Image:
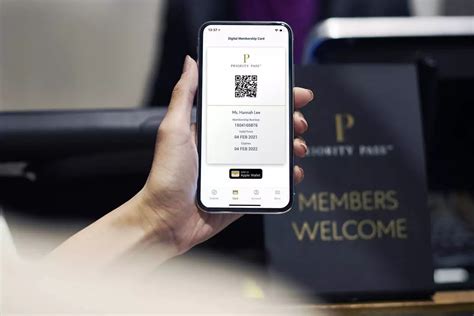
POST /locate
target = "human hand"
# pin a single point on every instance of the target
(168, 197)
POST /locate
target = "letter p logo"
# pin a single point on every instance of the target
(246, 57)
(344, 121)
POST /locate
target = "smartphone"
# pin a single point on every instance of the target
(245, 117)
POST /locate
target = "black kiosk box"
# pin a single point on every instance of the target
(359, 228)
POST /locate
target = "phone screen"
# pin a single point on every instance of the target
(245, 113)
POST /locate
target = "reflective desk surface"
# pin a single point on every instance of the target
(442, 303)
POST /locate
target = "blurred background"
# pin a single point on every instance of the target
(124, 54)
(128, 54)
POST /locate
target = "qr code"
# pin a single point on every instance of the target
(246, 86)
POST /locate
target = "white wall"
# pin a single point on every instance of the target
(76, 53)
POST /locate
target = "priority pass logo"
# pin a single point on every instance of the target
(343, 122)
(246, 57)
(344, 125)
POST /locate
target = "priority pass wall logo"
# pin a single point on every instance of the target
(343, 125)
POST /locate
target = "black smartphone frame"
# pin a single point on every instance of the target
(290, 120)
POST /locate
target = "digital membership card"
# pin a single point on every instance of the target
(246, 106)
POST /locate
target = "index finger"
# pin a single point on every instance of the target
(302, 97)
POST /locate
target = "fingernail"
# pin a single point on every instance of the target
(303, 144)
(305, 147)
(311, 93)
(302, 171)
(303, 121)
(187, 63)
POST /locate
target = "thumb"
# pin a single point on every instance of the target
(180, 107)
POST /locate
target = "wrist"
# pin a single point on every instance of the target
(140, 215)
(128, 237)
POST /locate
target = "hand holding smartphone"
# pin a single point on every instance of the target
(245, 117)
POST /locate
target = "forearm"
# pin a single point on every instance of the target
(127, 236)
